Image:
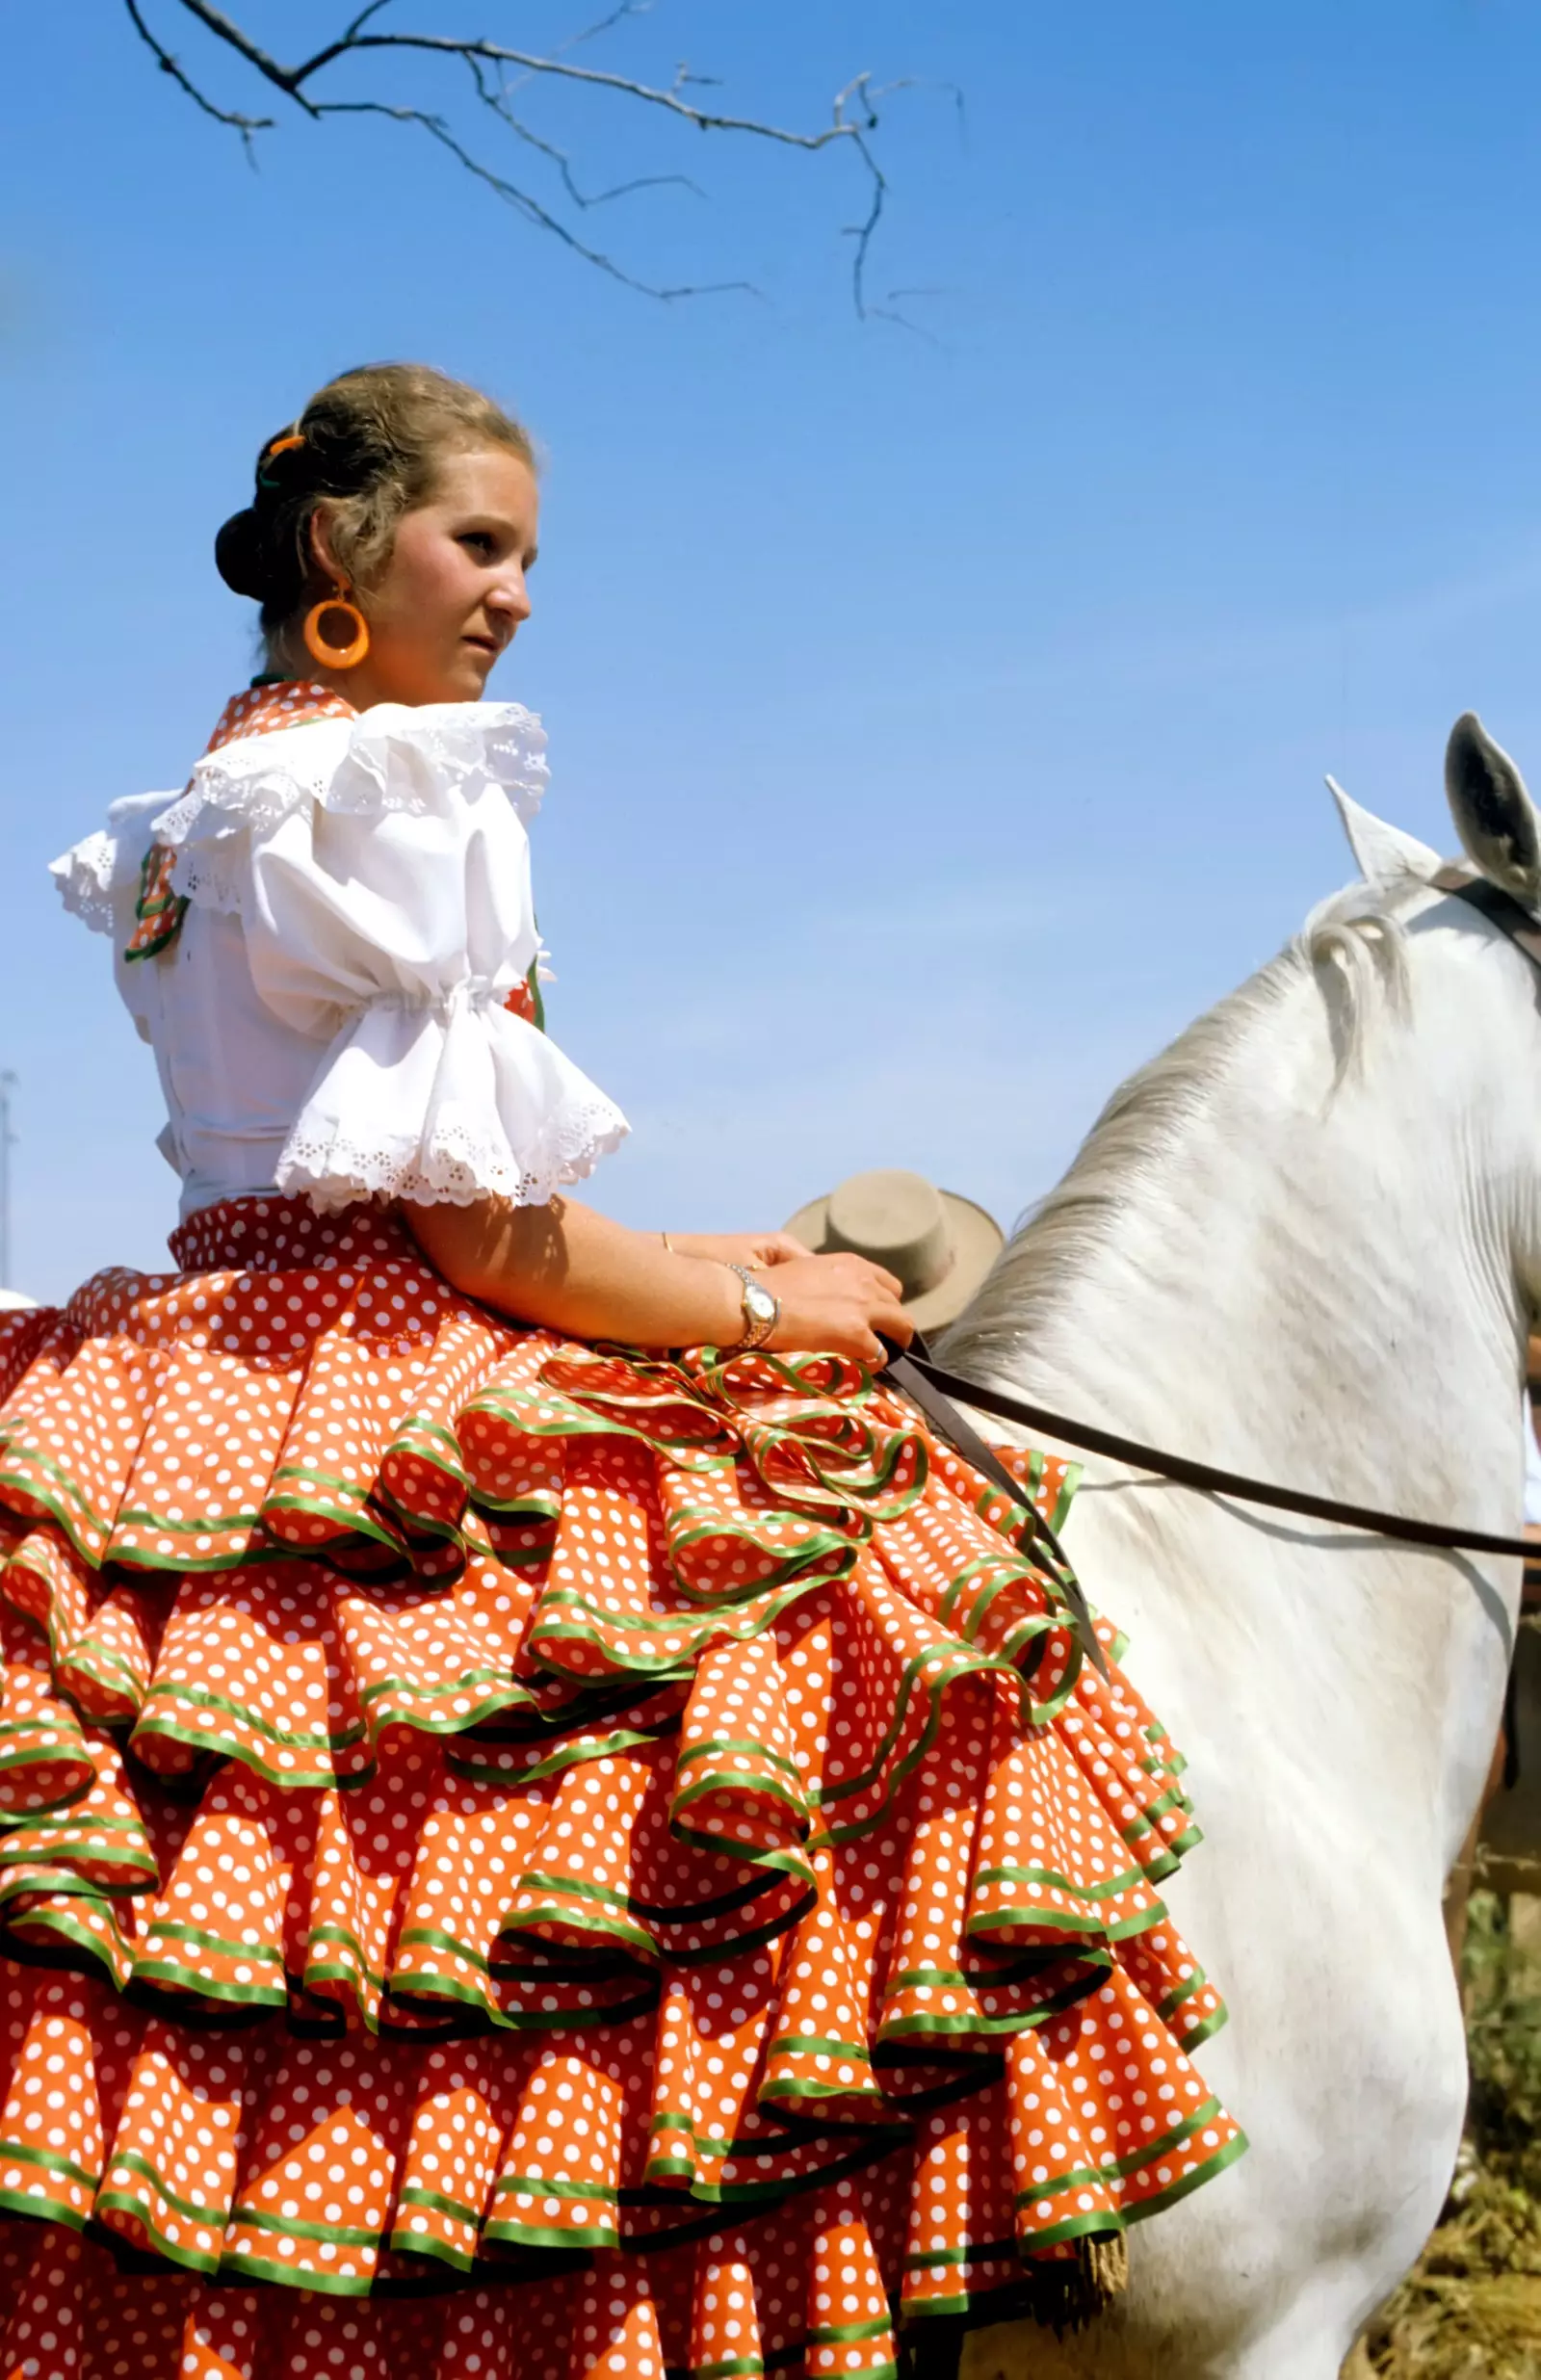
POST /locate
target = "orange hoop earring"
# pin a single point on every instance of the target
(330, 656)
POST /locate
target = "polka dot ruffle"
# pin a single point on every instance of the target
(499, 1802)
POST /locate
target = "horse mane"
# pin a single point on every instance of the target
(1352, 948)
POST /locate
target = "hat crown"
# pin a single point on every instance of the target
(897, 1221)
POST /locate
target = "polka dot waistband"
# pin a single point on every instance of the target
(269, 1234)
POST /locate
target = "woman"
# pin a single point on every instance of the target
(487, 1797)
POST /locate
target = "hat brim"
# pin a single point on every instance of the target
(976, 1239)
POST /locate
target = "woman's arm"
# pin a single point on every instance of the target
(567, 1268)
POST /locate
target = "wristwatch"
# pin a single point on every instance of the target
(760, 1312)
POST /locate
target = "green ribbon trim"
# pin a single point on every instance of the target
(115, 1962)
(957, 1661)
(104, 1667)
(1011, 1565)
(789, 2087)
(741, 1744)
(358, 1524)
(194, 2259)
(819, 1548)
(1172, 2191)
(414, 2194)
(184, 2207)
(988, 2027)
(19, 1484)
(173, 1930)
(207, 1987)
(614, 1929)
(965, 1662)
(246, 2262)
(404, 2242)
(706, 2144)
(198, 1739)
(540, 2236)
(493, 1771)
(510, 2185)
(48, 2209)
(571, 2018)
(468, 1680)
(44, 1755)
(1196, 2033)
(435, 1938)
(299, 2227)
(995, 2252)
(284, 1739)
(232, 1524)
(435, 1986)
(1062, 1920)
(726, 1781)
(346, 1940)
(48, 2160)
(61, 1836)
(818, 2044)
(1168, 2144)
(547, 1883)
(418, 1425)
(1051, 1880)
(1174, 1998)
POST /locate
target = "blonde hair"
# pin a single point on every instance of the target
(368, 446)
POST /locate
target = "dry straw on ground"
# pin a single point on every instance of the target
(1471, 2310)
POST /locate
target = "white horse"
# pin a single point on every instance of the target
(1305, 1243)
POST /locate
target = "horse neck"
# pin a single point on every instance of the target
(1315, 1286)
(1293, 1269)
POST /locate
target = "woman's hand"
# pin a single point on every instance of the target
(837, 1305)
(563, 1267)
(757, 1249)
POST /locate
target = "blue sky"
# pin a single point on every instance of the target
(938, 714)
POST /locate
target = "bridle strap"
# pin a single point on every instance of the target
(933, 1388)
(1501, 909)
(917, 1378)
(1210, 1478)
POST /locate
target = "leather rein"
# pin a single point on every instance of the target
(933, 1387)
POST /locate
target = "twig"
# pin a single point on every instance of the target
(245, 125)
(524, 203)
(854, 116)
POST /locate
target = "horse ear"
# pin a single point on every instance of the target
(1494, 815)
(1387, 857)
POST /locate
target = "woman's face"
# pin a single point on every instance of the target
(453, 593)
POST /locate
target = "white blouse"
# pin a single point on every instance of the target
(330, 1019)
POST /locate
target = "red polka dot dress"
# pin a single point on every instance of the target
(518, 1861)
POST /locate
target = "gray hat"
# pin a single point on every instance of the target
(938, 1244)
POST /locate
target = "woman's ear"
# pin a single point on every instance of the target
(1494, 815)
(318, 532)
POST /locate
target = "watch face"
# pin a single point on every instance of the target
(758, 1300)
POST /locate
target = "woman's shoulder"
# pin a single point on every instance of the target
(393, 757)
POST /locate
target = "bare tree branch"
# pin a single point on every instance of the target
(495, 96)
(245, 126)
(523, 203)
(497, 74)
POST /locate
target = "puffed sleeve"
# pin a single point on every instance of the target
(387, 915)
(99, 880)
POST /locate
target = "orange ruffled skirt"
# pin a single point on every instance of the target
(479, 1809)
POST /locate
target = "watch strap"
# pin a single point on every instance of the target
(757, 1327)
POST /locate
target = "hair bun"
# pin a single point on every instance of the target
(240, 556)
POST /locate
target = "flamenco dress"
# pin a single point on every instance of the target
(479, 1809)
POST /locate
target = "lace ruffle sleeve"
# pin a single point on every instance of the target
(99, 877)
(380, 869)
(98, 880)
